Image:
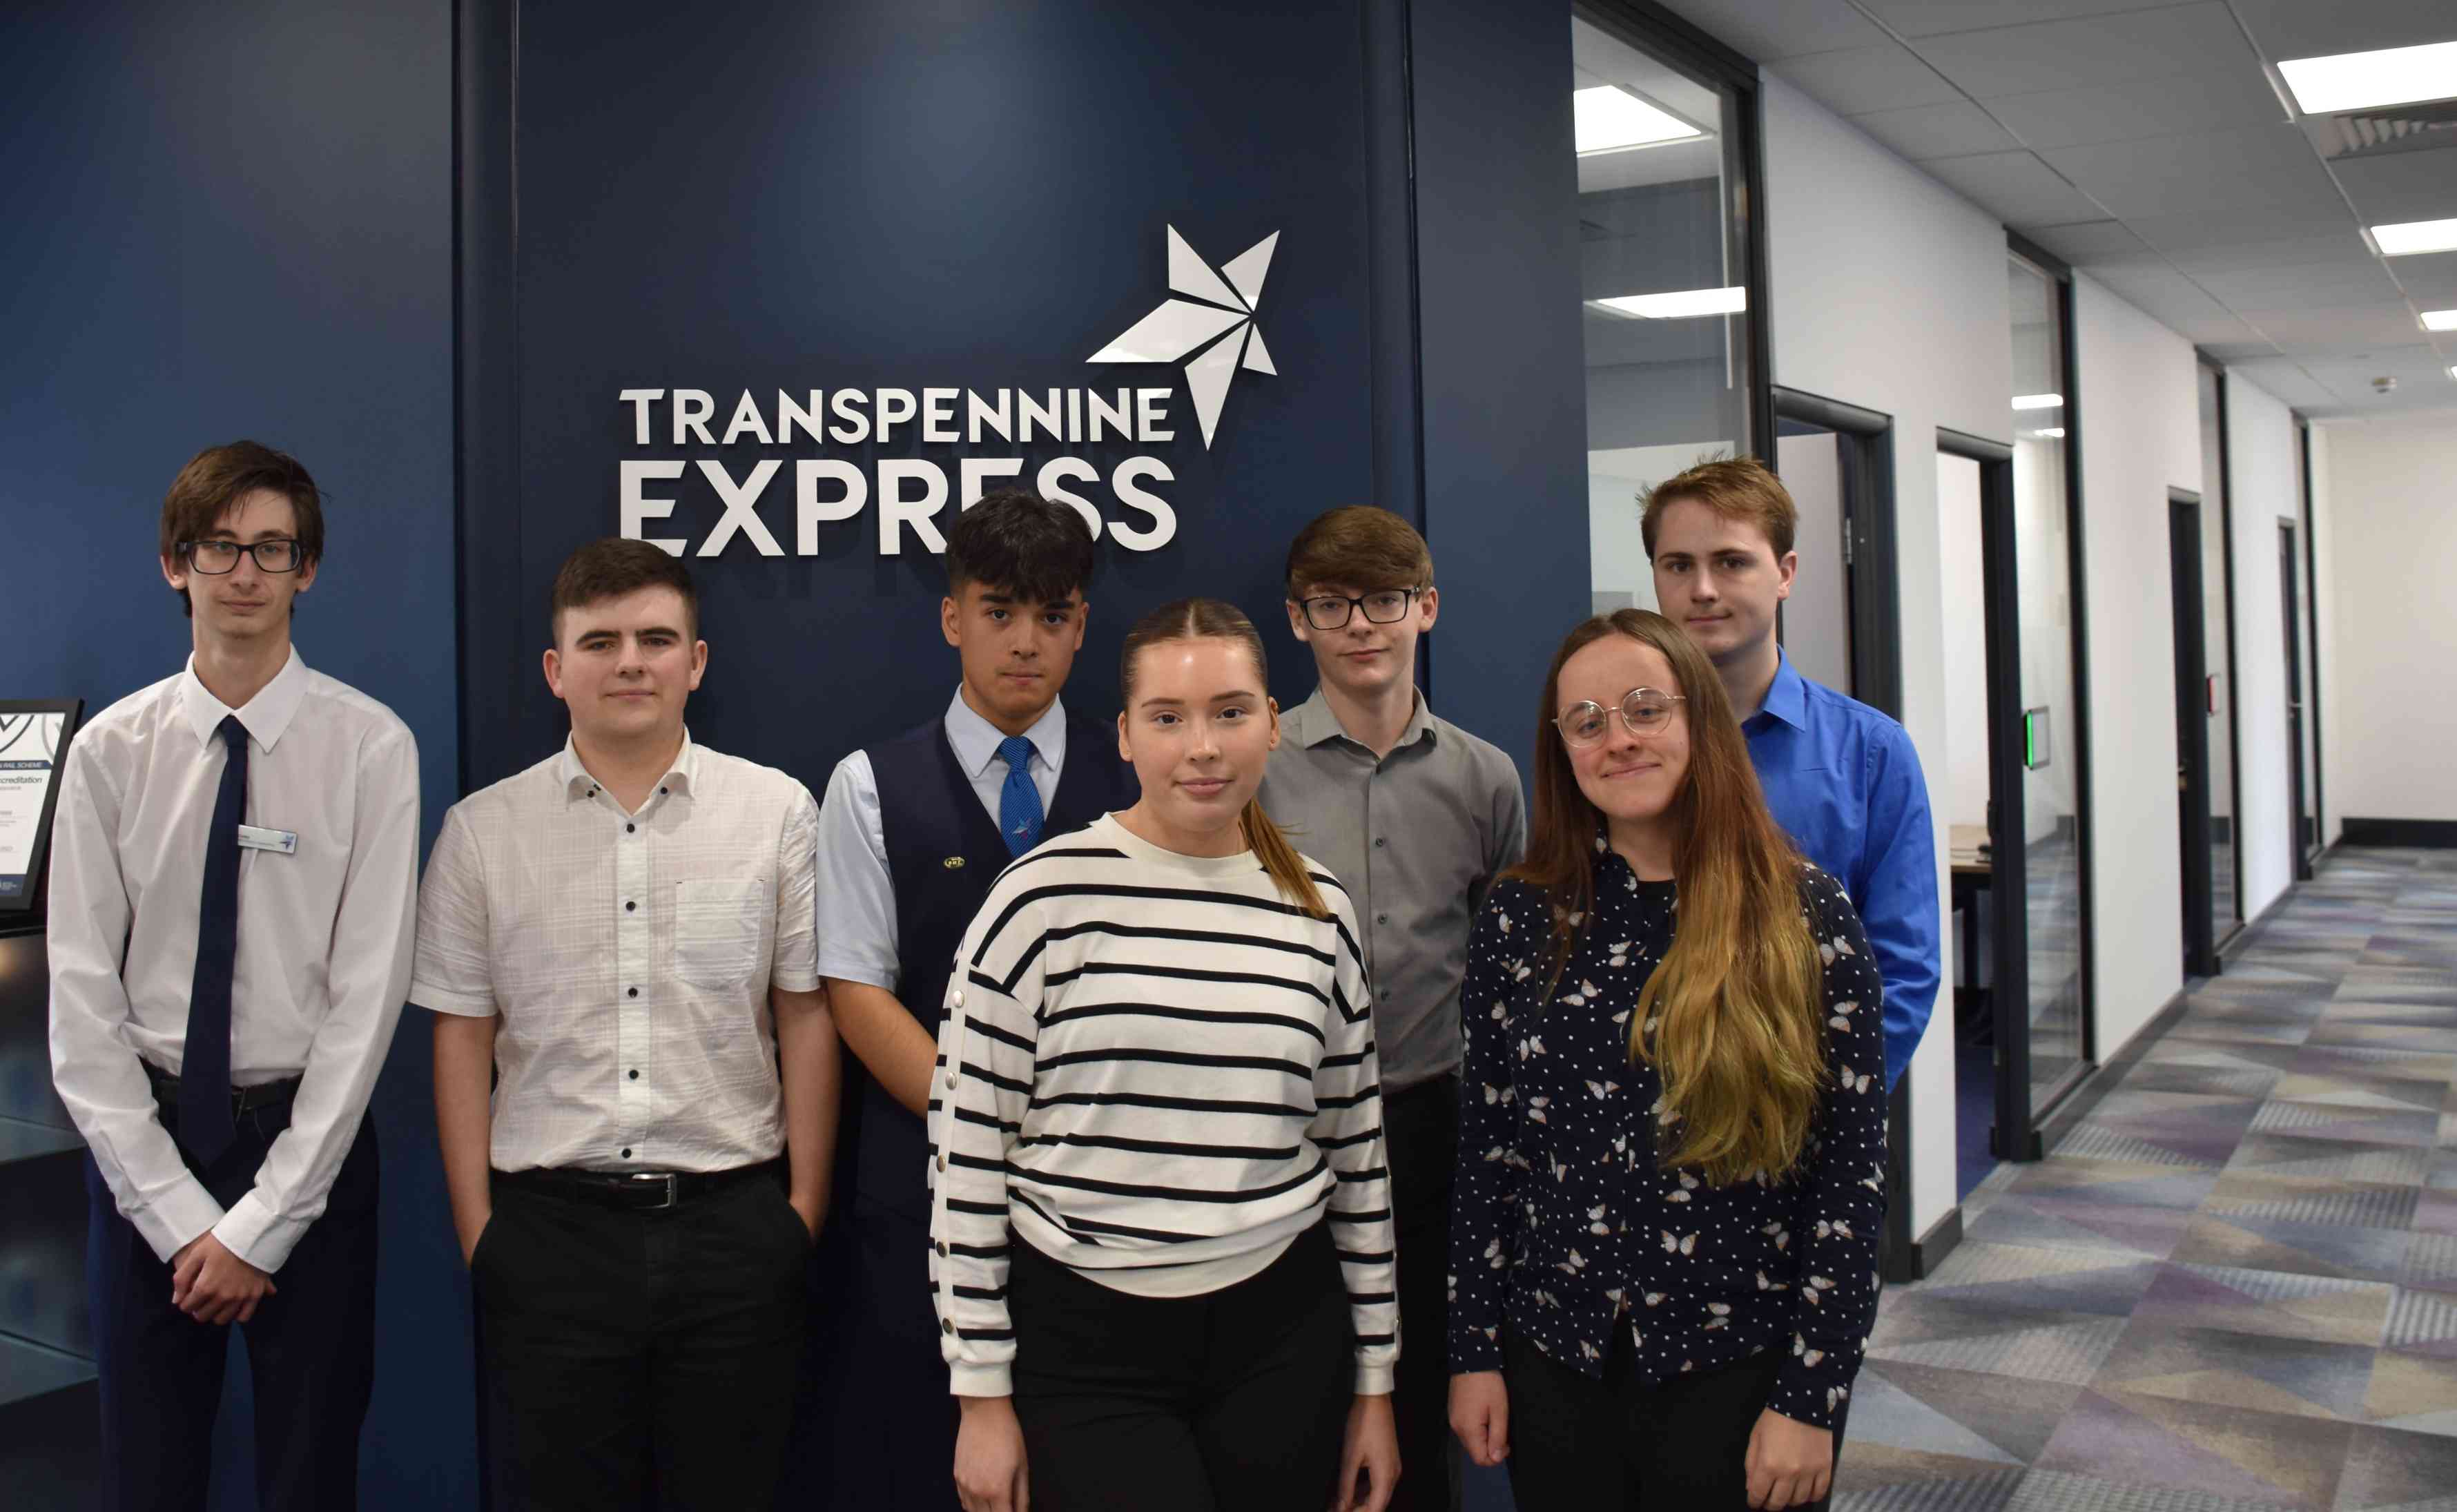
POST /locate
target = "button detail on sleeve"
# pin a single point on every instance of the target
(628, 906)
(630, 992)
(627, 1153)
(636, 1074)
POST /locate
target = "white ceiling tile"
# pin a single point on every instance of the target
(2401, 186)
(2016, 187)
(1931, 17)
(2337, 249)
(1767, 29)
(2300, 328)
(2259, 168)
(2432, 281)
(2082, 241)
(2248, 288)
(1954, 130)
(2221, 228)
(2233, 353)
(2100, 49)
(2305, 29)
(2169, 105)
(1858, 80)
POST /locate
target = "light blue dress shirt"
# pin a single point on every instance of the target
(1844, 780)
(856, 901)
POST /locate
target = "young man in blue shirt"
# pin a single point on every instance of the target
(1840, 777)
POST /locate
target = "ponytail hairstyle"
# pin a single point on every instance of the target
(1211, 620)
(1733, 1015)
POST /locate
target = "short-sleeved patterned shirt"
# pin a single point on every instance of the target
(1564, 1227)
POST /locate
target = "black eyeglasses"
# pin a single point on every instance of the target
(1330, 610)
(1643, 711)
(214, 558)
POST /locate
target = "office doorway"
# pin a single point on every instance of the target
(2222, 793)
(2195, 706)
(2000, 736)
(1841, 625)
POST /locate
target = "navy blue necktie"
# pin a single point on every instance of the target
(1019, 800)
(205, 1124)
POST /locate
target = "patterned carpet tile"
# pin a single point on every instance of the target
(2233, 1286)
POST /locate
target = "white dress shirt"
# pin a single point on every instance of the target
(857, 934)
(323, 937)
(630, 955)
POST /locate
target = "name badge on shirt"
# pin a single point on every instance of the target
(253, 839)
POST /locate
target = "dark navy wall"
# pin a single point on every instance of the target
(775, 196)
(235, 220)
(1504, 396)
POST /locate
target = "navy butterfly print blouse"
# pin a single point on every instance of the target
(1562, 1225)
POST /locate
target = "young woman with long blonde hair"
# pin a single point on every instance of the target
(1672, 1139)
(1161, 1236)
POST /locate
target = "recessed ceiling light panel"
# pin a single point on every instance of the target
(2409, 236)
(2440, 319)
(2354, 81)
(1610, 119)
(2038, 401)
(1675, 306)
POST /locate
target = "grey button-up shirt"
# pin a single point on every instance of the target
(1415, 837)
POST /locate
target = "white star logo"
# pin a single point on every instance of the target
(1220, 311)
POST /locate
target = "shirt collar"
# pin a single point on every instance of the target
(1311, 722)
(266, 715)
(977, 741)
(1788, 698)
(682, 774)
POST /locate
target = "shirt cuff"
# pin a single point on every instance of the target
(439, 1000)
(981, 1381)
(255, 1234)
(172, 1221)
(868, 973)
(794, 981)
(1374, 1378)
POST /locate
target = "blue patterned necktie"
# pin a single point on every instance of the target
(205, 1123)
(1019, 800)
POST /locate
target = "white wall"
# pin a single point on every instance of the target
(2140, 415)
(1961, 796)
(2391, 640)
(2263, 472)
(1888, 293)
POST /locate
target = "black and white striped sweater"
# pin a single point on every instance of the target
(1158, 1071)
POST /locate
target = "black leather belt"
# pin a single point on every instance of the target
(243, 1098)
(637, 1190)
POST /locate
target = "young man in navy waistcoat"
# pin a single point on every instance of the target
(912, 832)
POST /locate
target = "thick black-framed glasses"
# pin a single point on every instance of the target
(214, 558)
(1643, 711)
(1330, 610)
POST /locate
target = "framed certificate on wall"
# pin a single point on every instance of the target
(34, 735)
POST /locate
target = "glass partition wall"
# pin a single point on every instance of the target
(2218, 649)
(2053, 789)
(1674, 354)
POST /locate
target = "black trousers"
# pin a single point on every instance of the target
(640, 1359)
(888, 1418)
(1422, 1128)
(1582, 1446)
(310, 1347)
(1232, 1401)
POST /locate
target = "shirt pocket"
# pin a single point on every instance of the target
(718, 930)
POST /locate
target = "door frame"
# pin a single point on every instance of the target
(2016, 1135)
(2234, 682)
(1865, 446)
(2192, 728)
(2308, 855)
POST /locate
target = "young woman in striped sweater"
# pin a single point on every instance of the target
(1160, 1225)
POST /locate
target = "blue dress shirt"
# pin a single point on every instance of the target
(1844, 780)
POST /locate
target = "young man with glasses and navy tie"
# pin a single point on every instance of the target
(1415, 816)
(234, 878)
(618, 942)
(912, 832)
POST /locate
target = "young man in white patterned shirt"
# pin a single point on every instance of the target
(622, 935)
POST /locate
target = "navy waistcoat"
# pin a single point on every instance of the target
(943, 851)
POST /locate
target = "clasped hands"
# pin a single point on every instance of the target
(212, 1285)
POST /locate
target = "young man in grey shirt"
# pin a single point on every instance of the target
(1415, 816)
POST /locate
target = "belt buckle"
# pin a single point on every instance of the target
(672, 1184)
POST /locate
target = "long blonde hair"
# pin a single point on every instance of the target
(1211, 620)
(1733, 1015)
